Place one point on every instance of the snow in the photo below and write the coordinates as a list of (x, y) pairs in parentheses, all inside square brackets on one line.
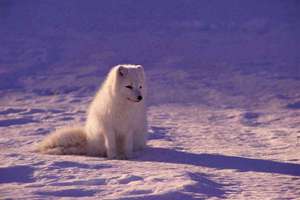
[(223, 106)]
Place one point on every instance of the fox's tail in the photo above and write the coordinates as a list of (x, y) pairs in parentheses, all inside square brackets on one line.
[(69, 140)]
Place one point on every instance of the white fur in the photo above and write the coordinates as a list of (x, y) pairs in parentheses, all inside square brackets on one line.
[(116, 123)]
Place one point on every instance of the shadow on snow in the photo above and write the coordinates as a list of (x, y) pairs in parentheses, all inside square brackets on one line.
[(16, 174), (220, 161)]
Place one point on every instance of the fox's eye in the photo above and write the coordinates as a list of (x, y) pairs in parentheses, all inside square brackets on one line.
[(141, 87), (129, 87)]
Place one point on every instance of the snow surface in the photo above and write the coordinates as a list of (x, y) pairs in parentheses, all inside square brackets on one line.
[(224, 98)]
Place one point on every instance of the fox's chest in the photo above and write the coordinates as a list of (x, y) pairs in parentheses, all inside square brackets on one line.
[(127, 121)]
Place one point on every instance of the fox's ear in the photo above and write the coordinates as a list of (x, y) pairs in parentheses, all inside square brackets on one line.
[(122, 71), (141, 70), (140, 67)]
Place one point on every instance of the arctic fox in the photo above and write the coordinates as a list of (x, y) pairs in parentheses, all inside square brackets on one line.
[(116, 122)]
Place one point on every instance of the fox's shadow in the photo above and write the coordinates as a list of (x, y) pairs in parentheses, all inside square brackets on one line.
[(217, 161)]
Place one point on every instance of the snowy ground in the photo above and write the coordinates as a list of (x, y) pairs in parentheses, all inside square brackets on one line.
[(224, 98)]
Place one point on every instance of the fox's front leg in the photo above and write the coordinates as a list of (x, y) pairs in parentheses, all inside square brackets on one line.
[(110, 145), (140, 139), (128, 146)]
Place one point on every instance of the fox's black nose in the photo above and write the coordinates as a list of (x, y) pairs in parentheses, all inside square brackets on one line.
[(139, 98)]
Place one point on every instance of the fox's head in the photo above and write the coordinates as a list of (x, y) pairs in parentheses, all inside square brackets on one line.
[(131, 82)]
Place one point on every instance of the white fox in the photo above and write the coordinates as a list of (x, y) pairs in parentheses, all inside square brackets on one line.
[(116, 122)]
